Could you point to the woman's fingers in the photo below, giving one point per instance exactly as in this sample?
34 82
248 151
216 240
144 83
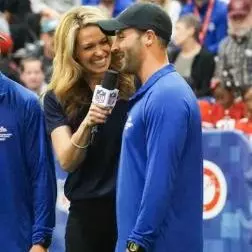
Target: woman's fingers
98 115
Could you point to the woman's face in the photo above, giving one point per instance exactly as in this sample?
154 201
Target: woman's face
93 50
182 33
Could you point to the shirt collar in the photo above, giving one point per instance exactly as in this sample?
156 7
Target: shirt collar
152 80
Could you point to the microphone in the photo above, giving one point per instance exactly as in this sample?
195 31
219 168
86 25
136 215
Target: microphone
105 95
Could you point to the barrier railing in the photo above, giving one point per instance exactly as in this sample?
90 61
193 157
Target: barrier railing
227 195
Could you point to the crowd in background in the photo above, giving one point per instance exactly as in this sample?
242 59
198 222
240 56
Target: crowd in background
211 48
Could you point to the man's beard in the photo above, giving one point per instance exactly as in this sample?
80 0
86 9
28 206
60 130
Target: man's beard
239 32
131 61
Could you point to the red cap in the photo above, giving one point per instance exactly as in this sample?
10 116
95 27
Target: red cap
239 8
6 43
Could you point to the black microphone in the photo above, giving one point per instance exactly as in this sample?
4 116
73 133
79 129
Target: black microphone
105 95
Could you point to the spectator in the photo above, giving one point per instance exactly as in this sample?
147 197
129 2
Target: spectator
206 113
39 6
245 124
27 176
32 75
4 25
53 8
192 61
213 16
22 22
235 53
81 60
48 27
7 66
172 7
226 108
112 7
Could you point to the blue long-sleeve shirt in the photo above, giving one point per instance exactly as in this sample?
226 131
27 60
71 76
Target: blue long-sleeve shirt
217 29
27 175
159 194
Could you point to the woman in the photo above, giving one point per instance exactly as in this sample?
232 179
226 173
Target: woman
82 56
192 60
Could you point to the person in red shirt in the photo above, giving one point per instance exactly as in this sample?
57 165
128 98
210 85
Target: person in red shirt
245 124
227 108
206 113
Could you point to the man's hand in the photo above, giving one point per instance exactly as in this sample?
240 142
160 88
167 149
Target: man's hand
38 248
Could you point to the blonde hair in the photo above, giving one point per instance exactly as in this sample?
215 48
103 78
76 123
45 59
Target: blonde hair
68 76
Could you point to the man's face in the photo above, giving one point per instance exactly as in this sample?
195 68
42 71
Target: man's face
47 39
32 76
107 2
200 3
160 2
238 25
128 47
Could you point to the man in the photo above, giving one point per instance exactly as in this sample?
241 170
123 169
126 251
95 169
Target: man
48 28
213 16
27 177
235 53
159 197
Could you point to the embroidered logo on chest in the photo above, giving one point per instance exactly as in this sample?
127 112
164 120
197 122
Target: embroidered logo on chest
4 134
129 123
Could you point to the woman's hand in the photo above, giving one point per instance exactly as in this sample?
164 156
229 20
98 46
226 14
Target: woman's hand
96 115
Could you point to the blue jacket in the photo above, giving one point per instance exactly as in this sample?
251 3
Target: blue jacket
27 175
217 29
159 196
120 5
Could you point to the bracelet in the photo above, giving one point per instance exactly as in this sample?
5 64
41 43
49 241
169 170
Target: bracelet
78 146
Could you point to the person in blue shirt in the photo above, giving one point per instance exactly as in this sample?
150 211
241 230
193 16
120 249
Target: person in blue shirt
159 194
27 176
213 16
118 5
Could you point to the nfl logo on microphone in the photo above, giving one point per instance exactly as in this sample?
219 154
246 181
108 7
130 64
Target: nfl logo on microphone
105 97
100 96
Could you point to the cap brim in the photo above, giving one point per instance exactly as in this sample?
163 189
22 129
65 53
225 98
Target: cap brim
109 27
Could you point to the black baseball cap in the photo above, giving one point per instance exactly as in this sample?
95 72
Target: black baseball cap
142 16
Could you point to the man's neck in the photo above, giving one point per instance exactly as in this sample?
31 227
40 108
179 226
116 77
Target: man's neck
151 65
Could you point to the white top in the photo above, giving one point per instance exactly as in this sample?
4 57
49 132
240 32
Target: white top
57 5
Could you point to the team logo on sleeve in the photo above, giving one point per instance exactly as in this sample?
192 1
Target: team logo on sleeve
215 190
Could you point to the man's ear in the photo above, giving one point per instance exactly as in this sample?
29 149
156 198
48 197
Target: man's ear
149 37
